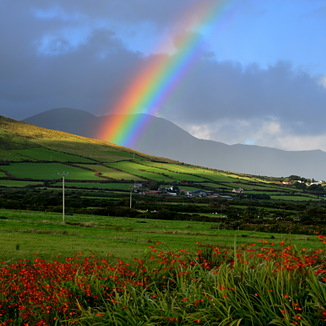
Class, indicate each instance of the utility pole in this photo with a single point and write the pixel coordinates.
(130, 201)
(63, 174)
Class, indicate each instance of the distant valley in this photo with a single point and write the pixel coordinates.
(165, 139)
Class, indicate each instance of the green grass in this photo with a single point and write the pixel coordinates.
(295, 198)
(43, 154)
(211, 174)
(48, 171)
(172, 172)
(97, 185)
(195, 171)
(7, 155)
(111, 173)
(19, 135)
(44, 234)
(8, 137)
(138, 171)
(19, 184)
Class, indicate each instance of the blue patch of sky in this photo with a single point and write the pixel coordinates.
(250, 142)
(272, 31)
(63, 37)
(62, 41)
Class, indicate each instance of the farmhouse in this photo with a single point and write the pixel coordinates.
(316, 183)
(238, 191)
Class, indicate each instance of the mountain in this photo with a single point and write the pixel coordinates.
(77, 122)
(165, 139)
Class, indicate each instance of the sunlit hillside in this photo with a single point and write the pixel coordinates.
(33, 156)
(19, 135)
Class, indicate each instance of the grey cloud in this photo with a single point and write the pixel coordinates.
(87, 78)
(218, 90)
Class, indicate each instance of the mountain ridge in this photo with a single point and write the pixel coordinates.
(165, 139)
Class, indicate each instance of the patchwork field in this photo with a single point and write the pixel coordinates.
(47, 171)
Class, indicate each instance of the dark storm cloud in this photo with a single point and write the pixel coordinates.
(80, 76)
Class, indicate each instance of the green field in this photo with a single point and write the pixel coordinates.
(296, 198)
(111, 172)
(18, 184)
(95, 185)
(171, 170)
(43, 154)
(48, 171)
(209, 174)
(10, 156)
(25, 233)
(139, 171)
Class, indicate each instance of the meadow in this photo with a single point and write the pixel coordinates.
(25, 233)
(99, 270)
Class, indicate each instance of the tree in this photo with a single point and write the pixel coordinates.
(300, 185)
(316, 189)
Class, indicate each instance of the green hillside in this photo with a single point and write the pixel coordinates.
(32, 156)
(22, 143)
(16, 136)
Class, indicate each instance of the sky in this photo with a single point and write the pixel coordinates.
(259, 75)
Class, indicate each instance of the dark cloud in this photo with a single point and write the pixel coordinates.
(219, 90)
(72, 54)
(84, 77)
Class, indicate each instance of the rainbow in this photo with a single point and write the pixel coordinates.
(157, 80)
